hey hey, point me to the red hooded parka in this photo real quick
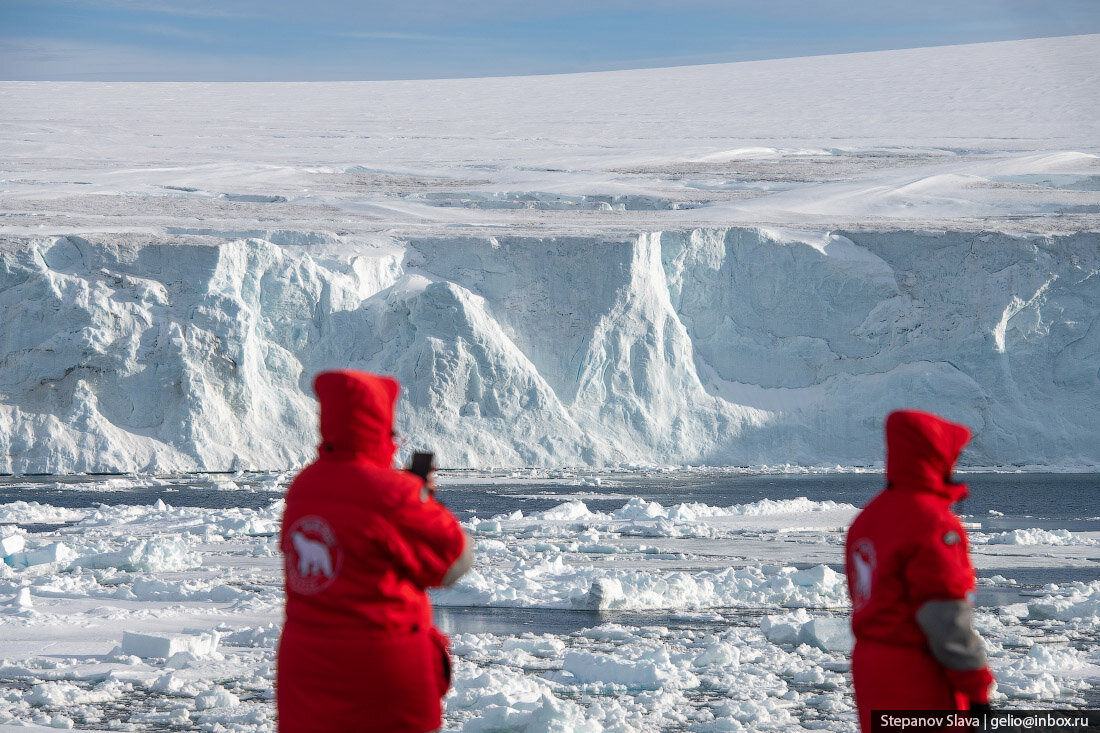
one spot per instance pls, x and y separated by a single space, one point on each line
907 551
361 543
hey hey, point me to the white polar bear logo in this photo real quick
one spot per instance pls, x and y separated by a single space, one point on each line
863 563
313 556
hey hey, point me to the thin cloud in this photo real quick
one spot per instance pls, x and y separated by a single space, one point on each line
170 31
396 36
50 59
28 51
165 7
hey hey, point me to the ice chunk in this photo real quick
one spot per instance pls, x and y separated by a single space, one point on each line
1074 601
604 593
23 511
254 637
149 556
829 634
62 693
575 509
218 697
181 660
638 508
784 629
58 552
718 653
164 646
22 599
821 576
11 545
651 669
1037 537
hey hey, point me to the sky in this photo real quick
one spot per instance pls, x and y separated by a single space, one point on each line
352 40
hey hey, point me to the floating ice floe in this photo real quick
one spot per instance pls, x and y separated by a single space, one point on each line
827 633
1046 672
1071 602
146 556
1032 537
11 544
28 512
55 553
198 643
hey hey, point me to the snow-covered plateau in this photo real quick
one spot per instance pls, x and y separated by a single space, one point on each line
741 264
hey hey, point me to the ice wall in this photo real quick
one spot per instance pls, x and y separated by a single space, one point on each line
729 346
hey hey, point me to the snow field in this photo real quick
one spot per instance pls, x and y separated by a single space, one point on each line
162 617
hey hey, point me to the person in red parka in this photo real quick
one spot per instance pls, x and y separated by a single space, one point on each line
361 543
911 581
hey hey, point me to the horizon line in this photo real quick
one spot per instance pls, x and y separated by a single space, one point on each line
643 66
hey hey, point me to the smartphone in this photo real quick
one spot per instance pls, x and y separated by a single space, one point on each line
421 464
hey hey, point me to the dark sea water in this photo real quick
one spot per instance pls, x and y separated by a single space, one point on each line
1055 496
195 490
1044 500
1020 500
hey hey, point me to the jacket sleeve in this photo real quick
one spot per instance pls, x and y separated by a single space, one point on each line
939 567
949 627
432 537
941 583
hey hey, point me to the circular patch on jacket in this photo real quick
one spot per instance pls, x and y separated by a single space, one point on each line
313 555
861 564
951 538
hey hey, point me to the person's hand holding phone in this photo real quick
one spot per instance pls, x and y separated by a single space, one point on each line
422 464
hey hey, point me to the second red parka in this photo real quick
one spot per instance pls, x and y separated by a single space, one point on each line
911 581
361 542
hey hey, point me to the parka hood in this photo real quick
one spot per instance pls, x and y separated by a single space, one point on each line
357 414
921 451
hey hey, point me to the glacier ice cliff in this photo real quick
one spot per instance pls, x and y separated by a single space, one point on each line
736 346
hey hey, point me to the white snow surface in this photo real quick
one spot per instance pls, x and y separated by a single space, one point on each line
709 619
738 264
